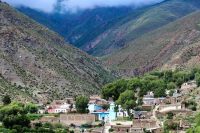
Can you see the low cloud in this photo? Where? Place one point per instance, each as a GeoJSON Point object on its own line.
{"type": "Point", "coordinates": [75, 5]}
{"type": "Point", "coordinates": [43, 5]}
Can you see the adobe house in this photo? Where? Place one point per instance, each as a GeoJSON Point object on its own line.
{"type": "Point", "coordinates": [95, 99]}
{"type": "Point", "coordinates": [176, 98]}
{"type": "Point", "coordinates": [144, 123]}
{"type": "Point", "coordinates": [136, 130]}
{"type": "Point", "coordinates": [157, 130]}
{"type": "Point", "coordinates": [142, 115]}
{"type": "Point", "coordinates": [147, 107]}
{"type": "Point", "coordinates": [151, 100]}
{"type": "Point", "coordinates": [188, 87]}
{"type": "Point", "coordinates": [61, 106]}
{"type": "Point", "coordinates": [140, 125]}
{"type": "Point", "coordinates": [171, 107]}
{"type": "Point", "coordinates": [121, 128]}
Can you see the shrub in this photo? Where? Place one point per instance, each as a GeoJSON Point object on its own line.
{"type": "Point", "coordinates": [111, 130]}
{"type": "Point", "coordinates": [86, 125]}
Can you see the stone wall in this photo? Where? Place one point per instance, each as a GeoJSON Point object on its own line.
{"type": "Point", "coordinates": [67, 119]}
{"type": "Point", "coordinates": [144, 123]}
{"type": "Point", "coordinates": [76, 119]}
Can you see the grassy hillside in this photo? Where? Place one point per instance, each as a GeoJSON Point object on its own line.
{"type": "Point", "coordinates": [39, 62]}
{"type": "Point", "coordinates": [175, 45]}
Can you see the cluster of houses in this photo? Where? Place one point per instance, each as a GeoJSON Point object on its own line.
{"type": "Point", "coordinates": [138, 126]}
{"type": "Point", "coordinates": [95, 107]}
{"type": "Point", "coordinates": [144, 119]}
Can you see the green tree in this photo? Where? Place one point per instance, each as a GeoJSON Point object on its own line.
{"type": "Point", "coordinates": [81, 104]}
{"type": "Point", "coordinates": [9, 121]}
{"type": "Point", "coordinates": [6, 100]}
{"type": "Point", "coordinates": [114, 89]}
{"type": "Point", "coordinates": [31, 108]}
{"type": "Point", "coordinates": [197, 78]}
{"type": "Point", "coordinates": [158, 87]}
{"type": "Point", "coordinates": [191, 104]}
{"type": "Point", "coordinates": [14, 115]}
{"type": "Point", "coordinates": [197, 119]}
{"type": "Point", "coordinates": [134, 83]}
{"type": "Point", "coordinates": [196, 128]}
{"type": "Point", "coordinates": [171, 125]}
{"type": "Point", "coordinates": [179, 77]}
{"type": "Point", "coordinates": [171, 86]}
{"type": "Point", "coordinates": [170, 115]}
{"type": "Point", "coordinates": [127, 100]}
{"type": "Point", "coordinates": [168, 75]}
{"type": "Point", "coordinates": [159, 74]}
{"type": "Point", "coordinates": [145, 87]}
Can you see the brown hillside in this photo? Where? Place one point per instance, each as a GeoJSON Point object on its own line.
{"type": "Point", "coordinates": [37, 64]}
{"type": "Point", "coordinates": [174, 45]}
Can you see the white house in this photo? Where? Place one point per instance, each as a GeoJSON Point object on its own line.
{"type": "Point", "coordinates": [121, 112]}
{"type": "Point", "coordinates": [150, 100]}
{"type": "Point", "coordinates": [60, 106]}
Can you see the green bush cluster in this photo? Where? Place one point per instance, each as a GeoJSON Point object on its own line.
{"type": "Point", "coordinates": [196, 127]}
{"type": "Point", "coordinates": [191, 104]}
{"type": "Point", "coordinates": [157, 81]}
{"type": "Point", "coordinates": [16, 118]}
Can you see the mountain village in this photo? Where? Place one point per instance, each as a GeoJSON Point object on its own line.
{"type": "Point", "coordinates": [99, 66]}
{"type": "Point", "coordinates": [104, 117]}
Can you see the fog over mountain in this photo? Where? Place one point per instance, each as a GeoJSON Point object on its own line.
{"type": "Point", "coordinates": [75, 5]}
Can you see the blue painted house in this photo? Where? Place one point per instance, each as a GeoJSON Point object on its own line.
{"type": "Point", "coordinates": [94, 107]}
{"type": "Point", "coordinates": [106, 115]}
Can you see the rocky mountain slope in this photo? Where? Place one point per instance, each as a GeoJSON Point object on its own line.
{"type": "Point", "coordinates": [134, 26]}
{"type": "Point", "coordinates": [176, 45]}
{"type": "Point", "coordinates": [36, 64]}
{"type": "Point", "coordinates": [102, 31]}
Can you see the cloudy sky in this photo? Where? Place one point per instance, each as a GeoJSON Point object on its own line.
{"type": "Point", "coordinates": [74, 5]}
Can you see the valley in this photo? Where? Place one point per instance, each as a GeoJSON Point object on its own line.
{"type": "Point", "coordinates": [132, 41]}
{"type": "Point", "coordinates": [103, 31]}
